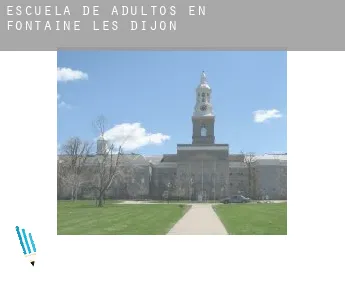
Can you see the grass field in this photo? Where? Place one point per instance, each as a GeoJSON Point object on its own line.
{"type": "Point", "coordinates": [254, 219]}
{"type": "Point", "coordinates": [83, 218]}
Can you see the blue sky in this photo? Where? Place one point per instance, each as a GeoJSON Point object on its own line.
{"type": "Point", "coordinates": [157, 90]}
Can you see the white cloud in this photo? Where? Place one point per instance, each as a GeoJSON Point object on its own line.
{"type": "Point", "coordinates": [261, 116]}
{"type": "Point", "coordinates": [64, 105]}
{"type": "Point", "coordinates": [67, 74]}
{"type": "Point", "coordinates": [133, 136]}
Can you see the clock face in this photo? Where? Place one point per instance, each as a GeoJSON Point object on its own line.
{"type": "Point", "coordinates": [203, 108]}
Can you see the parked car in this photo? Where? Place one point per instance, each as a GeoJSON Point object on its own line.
{"type": "Point", "coordinates": [235, 199]}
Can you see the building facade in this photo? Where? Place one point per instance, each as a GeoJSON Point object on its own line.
{"type": "Point", "coordinates": [202, 170]}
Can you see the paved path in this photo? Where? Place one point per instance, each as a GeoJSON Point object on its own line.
{"type": "Point", "coordinates": [199, 220]}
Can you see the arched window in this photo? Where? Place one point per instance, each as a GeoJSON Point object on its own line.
{"type": "Point", "coordinates": [203, 131]}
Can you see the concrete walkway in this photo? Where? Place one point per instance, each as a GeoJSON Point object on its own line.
{"type": "Point", "coordinates": [199, 220]}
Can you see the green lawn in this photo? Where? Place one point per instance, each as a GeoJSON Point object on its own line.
{"type": "Point", "coordinates": [254, 219]}
{"type": "Point", "coordinates": [83, 217]}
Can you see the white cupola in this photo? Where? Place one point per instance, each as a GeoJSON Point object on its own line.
{"type": "Point", "coordinates": [203, 104]}
{"type": "Point", "coordinates": [101, 145]}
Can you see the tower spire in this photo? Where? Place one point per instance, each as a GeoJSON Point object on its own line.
{"type": "Point", "coordinates": [203, 79]}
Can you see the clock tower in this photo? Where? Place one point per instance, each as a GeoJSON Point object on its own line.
{"type": "Point", "coordinates": [203, 117]}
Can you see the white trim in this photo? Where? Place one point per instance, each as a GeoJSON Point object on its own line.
{"type": "Point", "coordinates": [202, 148]}
{"type": "Point", "coordinates": [202, 116]}
{"type": "Point", "coordinates": [170, 164]}
{"type": "Point", "coordinates": [270, 163]}
{"type": "Point", "coordinates": [237, 165]}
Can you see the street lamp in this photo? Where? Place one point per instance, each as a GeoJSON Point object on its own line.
{"type": "Point", "coordinates": [180, 191]}
{"type": "Point", "coordinates": [224, 188]}
{"type": "Point", "coordinates": [191, 181]}
{"type": "Point", "coordinates": [227, 186]}
{"type": "Point", "coordinates": [142, 187]}
{"type": "Point", "coordinates": [169, 186]}
{"type": "Point", "coordinates": [134, 194]}
{"type": "Point", "coordinates": [214, 186]}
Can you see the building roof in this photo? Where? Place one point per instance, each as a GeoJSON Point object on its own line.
{"type": "Point", "coordinates": [235, 159]}
{"type": "Point", "coordinates": [237, 165]}
{"type": "Point", "coordinates": [270, 162]}
{"type": "Point", "coordinates": [272, 157]}
{"type": "Point", "coordinates": [155, 159]}
{"type": "Point", "coordinates": [169, 158]}
{"type": "Point", "coordinates": [134, 159]}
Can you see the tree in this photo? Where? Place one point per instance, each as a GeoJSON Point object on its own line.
{"type": "Point", "coordinates": [99, 124]}
{"type": "Point", "coordinates": [106, 168]}
{"type": "Point", "coordinates": [165, 195]}
{"type": "Point", "coordinates": [180, 190]}
{"type": "Point", "coordinates": [191, 187]}
{"type": "Point", "coordinates": [249, 160]}
{"type": "Point", "coordinates": [60, 184]}
{"type": "Point", "coordinates": [169, 186]}
{"type": "Point", "coordinates": [174, 187]}
{"type": "Point", "coordinates": [283, 182]}
{"type": "Point", "coordinates": [109, 165]}
{"type": "Point", "coordinates": [72, 164]}
{"type": "Point", "coordinates": [213, 180]}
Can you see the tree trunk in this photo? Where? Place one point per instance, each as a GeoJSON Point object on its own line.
{"type": "Point", "coordinates": [100, 199]}
{"type": "Point", "coordinates": [73, 194]}
{"type": "Point", "coordinates": [74, 190]}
